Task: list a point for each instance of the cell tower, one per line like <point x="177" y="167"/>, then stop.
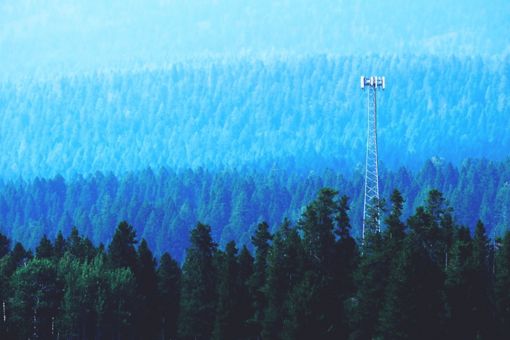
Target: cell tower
<point x="371" y="219"/>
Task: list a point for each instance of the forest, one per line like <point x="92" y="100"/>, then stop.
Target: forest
<point x="195" y="170"/>
<point x="162" y="205"/>
<point x="301" y="114"/>
<point x="424" y="277"/>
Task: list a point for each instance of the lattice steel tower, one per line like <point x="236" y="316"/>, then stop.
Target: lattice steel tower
<point x="371" y="220"/>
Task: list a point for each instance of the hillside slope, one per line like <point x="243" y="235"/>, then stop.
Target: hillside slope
<point x="300" y="114"/>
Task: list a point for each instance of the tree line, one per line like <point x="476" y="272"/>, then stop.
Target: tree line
<point x="423" y="278"/>
<point x="161" y="203"/>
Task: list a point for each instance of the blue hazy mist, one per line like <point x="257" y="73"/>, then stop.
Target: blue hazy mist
<point x="72" y="36"/>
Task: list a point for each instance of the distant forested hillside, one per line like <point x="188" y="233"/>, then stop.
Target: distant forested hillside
<point x="163" y="205"/>
<point x="300" y="114"/>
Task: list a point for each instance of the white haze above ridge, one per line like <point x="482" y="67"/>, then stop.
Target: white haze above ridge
<point x="62" y="36"/>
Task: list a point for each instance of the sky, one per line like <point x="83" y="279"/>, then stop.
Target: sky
<point x="54" y="36"/>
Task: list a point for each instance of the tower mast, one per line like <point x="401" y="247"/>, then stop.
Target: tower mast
<point x="371" y="220"/>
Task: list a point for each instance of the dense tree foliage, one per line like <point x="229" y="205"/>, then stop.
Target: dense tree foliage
<point x="300" y="113"/>
<point x="424" y="278"/>
<point x="162" y="205"/>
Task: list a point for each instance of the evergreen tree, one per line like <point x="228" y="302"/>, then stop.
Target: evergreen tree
<point x="6" y="270"/>
<point x="261" y="241"/>
<point x="244" y="298"/>
<point x="428" y="287"/>
<point x="4" y="245"/>
<point x="198" y="288"/>
<point x="95" y="300"/>
<point x="322" y="315"/>
<point x="412" y="307"/>
<point x="285" y="264"/>
<point x="395" y="232"/>
<point x="316" y="224"/>
<point x="300" y="306"/>
<point x="431" y="233"/>
<point x="169" y="281"/>
<point x="79" y="247"/>
<point x="343" y="229"/>
<point x="35" y="300"/>
<point x="345" y="266"/>
<point x="427" y="231"/>
<point x="448" y="230"/>
<point x="120" y="304"/>
<point x="502" y="287"/>
<point x="436" y="205"/>
<point x="146" y="314"/>
<point x="74" y="306"/>
<point x="483" y="310"/>
<point x="397" y="319"/>
<point x="370" y="278"/>
<point x="45" y="249"/>
<point x="121" y="251"/>
<point x="19" y="255"/>
<point x="74" y="244"/>
<point x="228" y="323"/>
<point x="459" y="289"/>
<point x="60" y="245"/>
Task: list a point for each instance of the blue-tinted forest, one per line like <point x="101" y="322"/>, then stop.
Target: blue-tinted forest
<point x="425" y="277"/>
<point x="195" y="170"/>
<point x="163" y="205"/>
<point x="297" y="114"/>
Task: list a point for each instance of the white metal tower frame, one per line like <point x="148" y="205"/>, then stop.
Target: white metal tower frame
<point x="371" y="199"/>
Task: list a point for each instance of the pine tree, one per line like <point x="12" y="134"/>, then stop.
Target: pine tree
<point x="483" y="310"/>
<point x="74" y="244"/>
<point x="347" y="257"/>
<point x="458" y="287"/>
<point x="228" y="323"/>
<point x="169" y="281"/>
<point x="4" y="245"/>
<point x="198" y="288"/>
<point x="300" y="321"/>
<point x="80" y="247"/>
<point x="502" y="287"/>
<point x="146" y="318"/>
<point x="120" y="304"/>
<point x="35" y="300"/>
<point x="322" y="315"/>
<point x="121" y="251"/>
<point x="316" y="224"/>
<point x="397" y="319"/>
<point x="45" y="249"/>
<point x="74" y="305"/>
<point x="285" y="264"/>
<point x="59" y="247"/>
<point x="370" y="278"/>
<point x="6" y="270"/>
<point x="396" y="229"/>
<point x="244" y="298"/>
<point x="96" y="315"/>
<point x="19" y="255"/>
<point x="448" y="230"/>
<point x="261" y="241"/>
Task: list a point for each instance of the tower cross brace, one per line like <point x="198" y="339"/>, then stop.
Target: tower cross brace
<point x="371" y="219"/>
